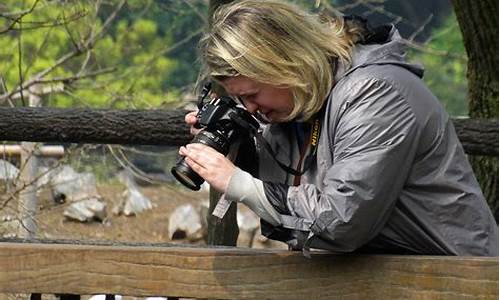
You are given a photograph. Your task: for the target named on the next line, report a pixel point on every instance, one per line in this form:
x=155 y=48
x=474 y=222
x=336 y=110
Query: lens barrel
x=183 y=172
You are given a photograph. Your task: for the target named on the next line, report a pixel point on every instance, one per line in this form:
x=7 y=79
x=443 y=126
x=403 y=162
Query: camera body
x=222 y=123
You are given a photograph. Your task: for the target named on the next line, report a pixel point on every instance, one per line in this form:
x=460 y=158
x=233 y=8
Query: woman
x=383 y=170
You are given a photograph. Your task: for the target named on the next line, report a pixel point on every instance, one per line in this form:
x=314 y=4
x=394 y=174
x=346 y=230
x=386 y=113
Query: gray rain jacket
x=389 y=176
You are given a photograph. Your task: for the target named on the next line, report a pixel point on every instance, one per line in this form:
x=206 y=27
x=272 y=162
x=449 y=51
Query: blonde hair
x=280 y=44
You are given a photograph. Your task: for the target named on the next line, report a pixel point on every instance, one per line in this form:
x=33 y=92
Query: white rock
x=44 y=175
x=249 y=224
x=185 y=222
x=73 y=185
x=86 y=210
x=247 y=220
x=8 y=171
x=133 y=201
x=203 y=210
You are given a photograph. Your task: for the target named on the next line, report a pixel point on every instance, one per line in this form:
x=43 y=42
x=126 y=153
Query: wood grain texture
x=162 y=127
x=231 y=273
x=99 y=126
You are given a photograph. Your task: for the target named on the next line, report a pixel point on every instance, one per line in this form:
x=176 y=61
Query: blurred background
x=143 y=55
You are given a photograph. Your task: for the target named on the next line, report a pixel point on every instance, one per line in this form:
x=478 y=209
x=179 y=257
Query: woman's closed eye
x=249 y=103
x=248 y=97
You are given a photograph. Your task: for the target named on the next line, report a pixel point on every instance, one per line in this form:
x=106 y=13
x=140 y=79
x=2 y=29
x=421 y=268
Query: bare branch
x=201 y=15
x=5 y=90
x=149 y=63
x=38 y=50
x=128 y=165
x=93 y=37
x=70 y=35
x=168 y=49
x=412 y=37
x=85 y=62
x=48 y=24
x=137 y=151
x=16 y=17
x=20 y=62
x=70 y=79
x=427 y=49
x=86 y=45
x=383 y=11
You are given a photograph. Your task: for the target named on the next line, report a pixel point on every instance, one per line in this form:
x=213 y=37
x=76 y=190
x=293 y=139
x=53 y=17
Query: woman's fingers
x=214 y=167
x=201 y=154
x=196 y=167
x=191 y=120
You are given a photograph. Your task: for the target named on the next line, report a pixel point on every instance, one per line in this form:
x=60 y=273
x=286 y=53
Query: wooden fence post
x=221 y=231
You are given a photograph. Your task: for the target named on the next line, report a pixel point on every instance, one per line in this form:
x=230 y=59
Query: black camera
x=222 y=123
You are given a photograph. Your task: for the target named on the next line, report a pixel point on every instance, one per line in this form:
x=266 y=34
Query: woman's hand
x=211 y=165
x=191 y=120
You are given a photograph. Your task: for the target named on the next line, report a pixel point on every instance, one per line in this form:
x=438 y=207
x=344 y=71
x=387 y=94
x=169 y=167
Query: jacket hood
x=390 y=49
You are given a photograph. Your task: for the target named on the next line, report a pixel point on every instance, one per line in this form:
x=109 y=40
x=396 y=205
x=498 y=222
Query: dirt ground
x=150 y=226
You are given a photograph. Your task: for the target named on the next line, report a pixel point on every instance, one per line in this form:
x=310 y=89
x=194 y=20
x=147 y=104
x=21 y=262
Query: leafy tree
x=445 y=62
x=139 y=59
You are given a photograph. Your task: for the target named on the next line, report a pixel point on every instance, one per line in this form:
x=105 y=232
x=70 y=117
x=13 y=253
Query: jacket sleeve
x=374 y=144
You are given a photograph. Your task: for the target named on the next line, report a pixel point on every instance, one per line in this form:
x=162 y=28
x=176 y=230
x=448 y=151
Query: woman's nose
x=250 y=106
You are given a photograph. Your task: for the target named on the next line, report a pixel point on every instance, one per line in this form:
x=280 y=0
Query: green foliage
x=150 y=67
x=138 y=62
x=445 y=64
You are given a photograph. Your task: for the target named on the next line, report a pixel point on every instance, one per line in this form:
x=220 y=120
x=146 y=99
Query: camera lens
x=185 y=175
x=183 y=172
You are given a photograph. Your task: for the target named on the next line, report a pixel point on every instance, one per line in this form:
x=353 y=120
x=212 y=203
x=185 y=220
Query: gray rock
x=133 y=201
x=8 y=171
x=72 y=186
x=86 y=210
x=185 y=223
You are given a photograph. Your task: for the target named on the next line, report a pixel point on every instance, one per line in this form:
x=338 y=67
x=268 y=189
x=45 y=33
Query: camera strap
x=309 y=159
x=313 y=142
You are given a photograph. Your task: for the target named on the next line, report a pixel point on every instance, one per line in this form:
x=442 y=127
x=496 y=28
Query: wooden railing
x=221 y=273
x=162 y=127
x=236 y=273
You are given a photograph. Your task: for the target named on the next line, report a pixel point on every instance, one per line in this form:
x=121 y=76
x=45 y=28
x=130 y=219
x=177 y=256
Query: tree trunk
x=162 y=127
x=478 y=136
x=478 y=22
x=76 y=125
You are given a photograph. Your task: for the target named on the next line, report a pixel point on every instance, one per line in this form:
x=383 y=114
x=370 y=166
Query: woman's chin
x=276 y=117
x=271 y=117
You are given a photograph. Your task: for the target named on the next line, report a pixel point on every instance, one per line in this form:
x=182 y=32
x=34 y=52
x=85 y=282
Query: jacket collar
x=392 y=51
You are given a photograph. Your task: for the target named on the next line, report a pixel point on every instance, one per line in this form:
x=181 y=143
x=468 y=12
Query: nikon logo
x=315 y=133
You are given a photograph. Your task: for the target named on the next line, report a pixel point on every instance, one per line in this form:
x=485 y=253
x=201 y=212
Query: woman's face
x=273 y=102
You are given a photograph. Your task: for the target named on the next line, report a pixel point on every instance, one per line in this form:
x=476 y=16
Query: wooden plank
x=162 y=127
x=231 y=273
